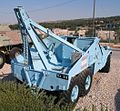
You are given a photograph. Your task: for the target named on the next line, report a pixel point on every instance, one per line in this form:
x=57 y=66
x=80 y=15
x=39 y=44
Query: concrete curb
x=111 y=45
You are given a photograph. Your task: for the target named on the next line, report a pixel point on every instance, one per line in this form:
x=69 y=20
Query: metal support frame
x=27 y=25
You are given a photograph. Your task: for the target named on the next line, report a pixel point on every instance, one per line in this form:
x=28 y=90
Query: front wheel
x=106 y=68
x=86 y=82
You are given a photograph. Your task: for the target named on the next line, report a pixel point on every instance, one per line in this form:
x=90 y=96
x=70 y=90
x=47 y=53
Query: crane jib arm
x=26 y=25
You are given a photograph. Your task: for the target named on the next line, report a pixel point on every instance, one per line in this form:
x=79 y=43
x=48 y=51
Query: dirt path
x=5 y=70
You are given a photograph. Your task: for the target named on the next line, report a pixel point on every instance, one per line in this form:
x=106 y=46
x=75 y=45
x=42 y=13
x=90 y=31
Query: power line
x=45 y=8
x=4 y=13
x=53 y=6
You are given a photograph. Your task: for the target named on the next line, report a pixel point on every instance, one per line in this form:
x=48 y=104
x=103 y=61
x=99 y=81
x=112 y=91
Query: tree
x=117 y=35
x=89 y=33
x=14 y=27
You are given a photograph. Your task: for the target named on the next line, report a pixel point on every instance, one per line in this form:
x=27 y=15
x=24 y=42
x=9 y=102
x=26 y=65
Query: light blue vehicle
x=56 y=63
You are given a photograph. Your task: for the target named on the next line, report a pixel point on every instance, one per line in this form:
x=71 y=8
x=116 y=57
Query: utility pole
x=94 y=5
x=110 y=25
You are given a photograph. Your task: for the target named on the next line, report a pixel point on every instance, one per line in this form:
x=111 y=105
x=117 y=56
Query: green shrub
x=15 y=97
x=19 y=98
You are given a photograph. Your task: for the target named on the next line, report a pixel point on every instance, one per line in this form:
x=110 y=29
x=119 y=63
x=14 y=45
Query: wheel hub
x=87 y=82
x=74 y=93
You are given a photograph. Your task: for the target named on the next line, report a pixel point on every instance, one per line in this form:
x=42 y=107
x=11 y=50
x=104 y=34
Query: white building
x=104 y=35
x=60 y=32
x=81 y=32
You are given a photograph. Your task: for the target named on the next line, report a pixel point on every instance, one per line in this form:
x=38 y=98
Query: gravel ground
x=105 y=88
x=5 y=70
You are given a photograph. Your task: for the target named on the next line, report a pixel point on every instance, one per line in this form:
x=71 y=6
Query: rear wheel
x=80 y=86
x=85 y=82
x=72 y=94
x=18 y=81
x=15 y=52
x=2 y=59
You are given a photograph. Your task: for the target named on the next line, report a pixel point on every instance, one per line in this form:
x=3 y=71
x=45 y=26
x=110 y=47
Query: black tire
x=106 y=68
x=7 y=56
x=14 y=52
x=2 y=59
x=18 y=81
x=85 y=82
x=75 y=83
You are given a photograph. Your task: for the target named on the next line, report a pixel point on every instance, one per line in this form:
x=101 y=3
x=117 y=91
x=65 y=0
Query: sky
x=52 y=10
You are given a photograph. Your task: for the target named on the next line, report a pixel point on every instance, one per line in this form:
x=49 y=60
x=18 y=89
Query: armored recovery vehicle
x=56 y=63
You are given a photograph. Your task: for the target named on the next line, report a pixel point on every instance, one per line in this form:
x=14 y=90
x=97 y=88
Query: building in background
x=104 y=35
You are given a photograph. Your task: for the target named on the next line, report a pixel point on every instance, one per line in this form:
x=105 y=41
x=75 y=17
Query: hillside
x=73 y=24
x=76 y=23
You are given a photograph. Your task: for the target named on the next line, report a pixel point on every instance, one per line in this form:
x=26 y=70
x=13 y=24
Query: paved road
x=105 y=87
